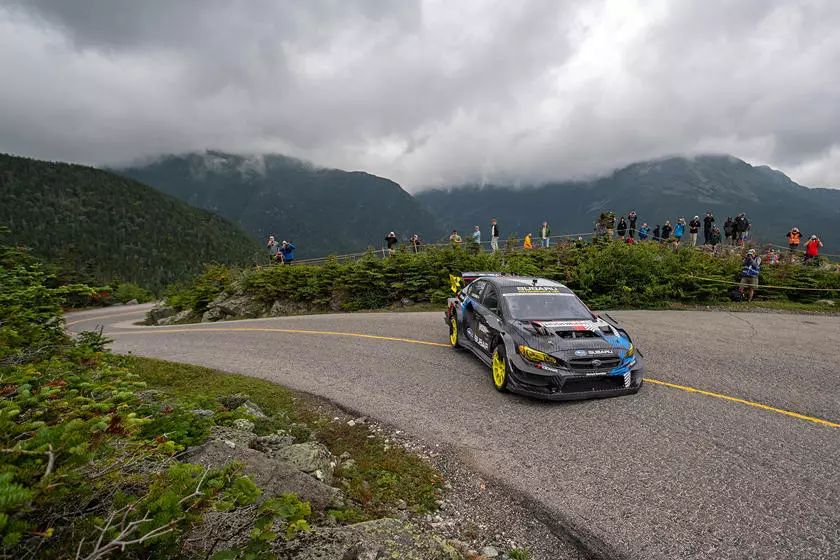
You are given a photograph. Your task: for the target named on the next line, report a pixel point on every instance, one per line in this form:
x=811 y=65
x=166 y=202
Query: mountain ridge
x=666 y=188
x=320 y=210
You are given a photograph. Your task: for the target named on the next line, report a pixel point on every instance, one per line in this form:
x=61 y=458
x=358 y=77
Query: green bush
x=605 y=275
x=126 y=292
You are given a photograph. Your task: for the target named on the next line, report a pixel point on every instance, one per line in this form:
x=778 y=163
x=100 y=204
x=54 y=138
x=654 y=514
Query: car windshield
x=534 y=307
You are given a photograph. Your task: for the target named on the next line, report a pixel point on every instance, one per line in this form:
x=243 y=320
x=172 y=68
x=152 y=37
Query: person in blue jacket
x=679 y=229
x=288 y=252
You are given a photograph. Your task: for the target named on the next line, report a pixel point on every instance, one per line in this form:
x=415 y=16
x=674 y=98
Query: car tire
x=453 y=332
x=499 y=368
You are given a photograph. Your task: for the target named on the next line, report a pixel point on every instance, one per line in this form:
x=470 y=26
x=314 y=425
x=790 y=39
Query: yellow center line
x=743 y=401
x=97 y=317
x=292 y=331
x=160 y=330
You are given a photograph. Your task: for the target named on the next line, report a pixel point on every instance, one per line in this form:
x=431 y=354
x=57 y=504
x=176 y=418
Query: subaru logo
x=596 y=363
x=580 y=352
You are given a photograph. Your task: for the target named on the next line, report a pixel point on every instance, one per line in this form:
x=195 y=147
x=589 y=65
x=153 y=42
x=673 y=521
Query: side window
x=491 y=300
x=476 y=289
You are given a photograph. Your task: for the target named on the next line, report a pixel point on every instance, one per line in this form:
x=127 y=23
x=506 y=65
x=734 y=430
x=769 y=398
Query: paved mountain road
x=667 y=473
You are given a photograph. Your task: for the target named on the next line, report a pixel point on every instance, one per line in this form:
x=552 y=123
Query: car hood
x=574 y=339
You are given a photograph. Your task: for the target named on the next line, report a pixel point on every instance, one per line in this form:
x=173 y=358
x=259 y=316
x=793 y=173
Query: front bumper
x=530 y=381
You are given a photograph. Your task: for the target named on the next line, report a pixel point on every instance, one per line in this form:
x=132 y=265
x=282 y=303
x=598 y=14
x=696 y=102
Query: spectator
x=629 y=240
x=622 y=228
x=644 y=231
x=812 y=249
x=527 y=244
x=632 y=217
x=609 y=222
x=494 y=235
x=273 y=247
x=678 y=231
x=749 y=273
x=455 y=239
x=599 y=229
x=794 y=237
x=666 y=231
x=416 y=243
x=391 y=240
x=715 y=239
x=742 y=225
x=770 y=257
x=729 y=229
x=545 y=234
x=476 y=236
x=708 y=221
x=288 y=252
x=657 y=233
x=693 y=229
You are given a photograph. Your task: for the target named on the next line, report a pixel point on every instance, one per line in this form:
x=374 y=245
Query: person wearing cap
x=455 y=239
x=794 y=237
x=693 y=229
x=288 y=252
x=749 y=273
x=644 y=232
x=416 y=243
x=812 y=249
x=391 y=241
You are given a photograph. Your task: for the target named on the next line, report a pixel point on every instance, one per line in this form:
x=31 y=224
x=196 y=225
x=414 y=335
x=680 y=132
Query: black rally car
x=541 y=340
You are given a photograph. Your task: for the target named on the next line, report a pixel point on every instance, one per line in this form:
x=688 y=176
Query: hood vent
x=577 y=334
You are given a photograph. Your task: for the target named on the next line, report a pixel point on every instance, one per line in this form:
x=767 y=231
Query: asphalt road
x=667 y=473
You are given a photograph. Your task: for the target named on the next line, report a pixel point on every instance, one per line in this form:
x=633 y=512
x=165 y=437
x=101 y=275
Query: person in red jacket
x=812 y=249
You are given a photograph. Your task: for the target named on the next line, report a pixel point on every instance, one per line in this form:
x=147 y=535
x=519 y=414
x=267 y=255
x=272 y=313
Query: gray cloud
x=427 y=92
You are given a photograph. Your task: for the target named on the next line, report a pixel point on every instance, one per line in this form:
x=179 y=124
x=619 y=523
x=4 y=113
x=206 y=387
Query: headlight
x=535 y=355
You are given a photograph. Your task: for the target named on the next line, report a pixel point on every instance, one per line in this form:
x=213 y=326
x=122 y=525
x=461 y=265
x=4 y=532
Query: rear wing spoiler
x=466 y=278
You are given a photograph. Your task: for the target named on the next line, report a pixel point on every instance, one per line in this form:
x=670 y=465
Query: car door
x=488 y=319
x=471 y=308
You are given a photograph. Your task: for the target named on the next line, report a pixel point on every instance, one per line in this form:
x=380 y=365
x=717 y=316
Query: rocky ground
x=478 y=519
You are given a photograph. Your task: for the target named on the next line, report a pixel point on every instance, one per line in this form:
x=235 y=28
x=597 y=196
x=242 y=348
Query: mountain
x=669 y=188
x=104 y=226
x=320 y=210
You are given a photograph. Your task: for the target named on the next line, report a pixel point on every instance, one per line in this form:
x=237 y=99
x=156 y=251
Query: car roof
x=514 y=282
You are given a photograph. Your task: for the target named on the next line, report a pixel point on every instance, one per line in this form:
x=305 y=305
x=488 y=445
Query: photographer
x=749 y=273
x=812 y=250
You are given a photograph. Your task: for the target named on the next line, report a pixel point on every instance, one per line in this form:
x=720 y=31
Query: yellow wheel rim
x=498 y=369
x=453 y=332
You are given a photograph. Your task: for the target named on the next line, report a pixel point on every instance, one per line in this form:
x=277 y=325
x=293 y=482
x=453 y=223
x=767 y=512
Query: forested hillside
x=320 y=210
x=106 y=226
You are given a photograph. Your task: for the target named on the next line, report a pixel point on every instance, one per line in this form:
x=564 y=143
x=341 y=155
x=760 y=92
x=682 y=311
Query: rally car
x=540 y=339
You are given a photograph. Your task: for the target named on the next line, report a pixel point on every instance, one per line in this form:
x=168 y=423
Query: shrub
x=605 y=275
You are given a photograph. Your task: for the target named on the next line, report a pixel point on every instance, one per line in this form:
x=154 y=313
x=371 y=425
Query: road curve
x=748 y=469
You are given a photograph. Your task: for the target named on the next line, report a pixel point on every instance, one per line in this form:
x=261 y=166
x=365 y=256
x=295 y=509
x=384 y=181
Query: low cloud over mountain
x=427 y=92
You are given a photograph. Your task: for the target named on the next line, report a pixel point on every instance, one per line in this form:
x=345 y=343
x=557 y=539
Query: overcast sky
x=427 y=92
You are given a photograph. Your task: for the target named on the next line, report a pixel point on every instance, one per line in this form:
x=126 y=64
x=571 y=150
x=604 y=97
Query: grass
x=385 y=475
x=774 y=305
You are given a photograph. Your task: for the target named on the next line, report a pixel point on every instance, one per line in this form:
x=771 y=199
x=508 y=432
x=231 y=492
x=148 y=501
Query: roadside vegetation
x=605 y=275
x=97 y=451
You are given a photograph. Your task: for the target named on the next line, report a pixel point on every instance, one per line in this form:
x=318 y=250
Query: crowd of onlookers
x=608 y=227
